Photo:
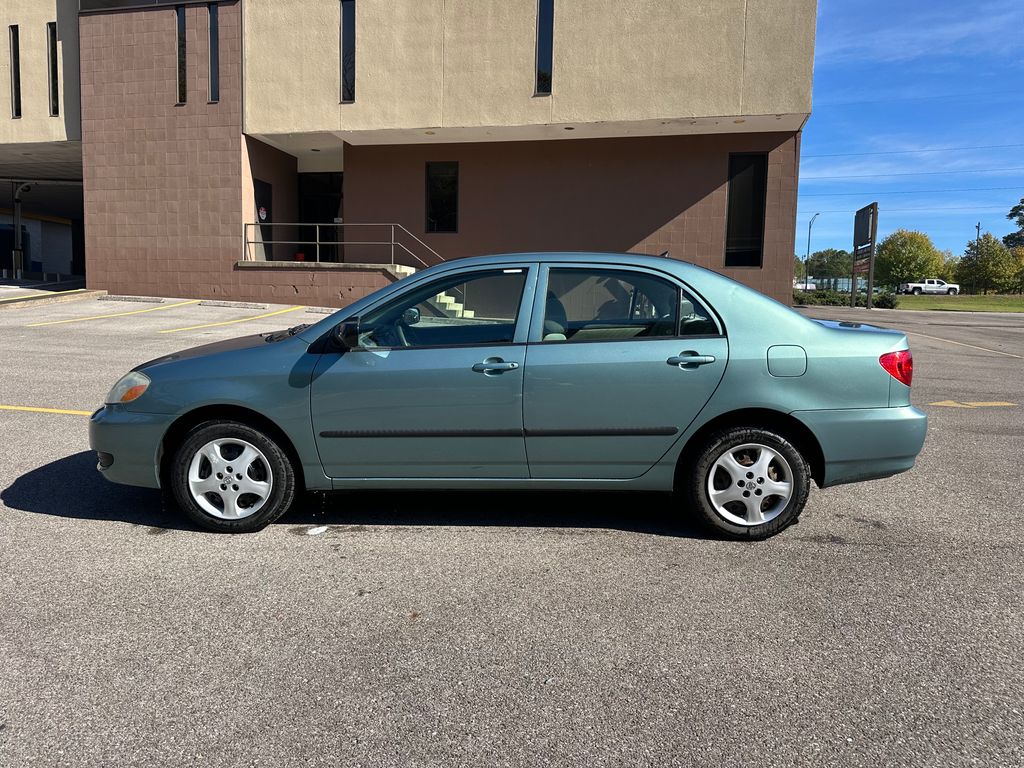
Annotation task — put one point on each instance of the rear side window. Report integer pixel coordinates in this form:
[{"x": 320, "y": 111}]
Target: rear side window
[{"x": 618, "y": 305}]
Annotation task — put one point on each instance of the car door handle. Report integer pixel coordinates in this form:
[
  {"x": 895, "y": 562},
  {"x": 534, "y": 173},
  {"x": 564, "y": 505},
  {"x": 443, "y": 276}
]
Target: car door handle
[
  {"x": 690, "y": 359},
  {"x": 494, "y": 365}
]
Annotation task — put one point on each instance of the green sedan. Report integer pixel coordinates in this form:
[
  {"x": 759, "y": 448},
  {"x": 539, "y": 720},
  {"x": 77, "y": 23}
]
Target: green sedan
[{"x": 525, "y": 371}]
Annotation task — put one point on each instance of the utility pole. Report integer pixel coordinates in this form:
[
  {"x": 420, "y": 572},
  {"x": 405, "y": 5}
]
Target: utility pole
[
  {"x": 807, "y": 258},
  {"x": 977, "y": 242}
]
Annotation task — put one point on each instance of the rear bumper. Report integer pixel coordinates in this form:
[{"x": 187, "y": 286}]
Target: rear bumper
[
  {"x": 866, "y": 443},
  {"x": 128, "y": 444}
]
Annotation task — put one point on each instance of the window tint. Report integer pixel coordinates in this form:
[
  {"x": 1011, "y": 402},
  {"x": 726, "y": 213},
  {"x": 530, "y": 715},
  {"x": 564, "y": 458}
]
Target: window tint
[
  {"x": 748, "y": 180},
  {"x": 182, "y": 80},
  {"x": 51, "y": 62},
  {"x": 461, "y": 310},
  {"x": 606, "y": 305},
  {"x": 442, "y": 197},
  {"x": 348, "y": 50},
  {"x": 214, "y": 15},
  {"x": 545, "y": 40},
  {"x": 15, "y": 50}
]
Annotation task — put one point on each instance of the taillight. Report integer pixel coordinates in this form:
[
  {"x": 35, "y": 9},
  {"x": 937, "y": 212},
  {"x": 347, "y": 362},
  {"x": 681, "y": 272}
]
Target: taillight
[{"x": 900, "y": 365}]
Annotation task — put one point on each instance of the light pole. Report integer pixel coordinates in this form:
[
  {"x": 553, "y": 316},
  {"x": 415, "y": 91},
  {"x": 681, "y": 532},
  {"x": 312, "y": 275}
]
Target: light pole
[{"x": 807, "y": 258}]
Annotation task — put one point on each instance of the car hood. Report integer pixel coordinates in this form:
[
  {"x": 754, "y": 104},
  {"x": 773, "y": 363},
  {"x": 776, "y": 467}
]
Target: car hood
[{"x": 206, "y": 350}]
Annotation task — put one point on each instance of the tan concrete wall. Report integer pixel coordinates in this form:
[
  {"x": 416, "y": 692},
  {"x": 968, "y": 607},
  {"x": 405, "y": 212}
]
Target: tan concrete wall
[
  {"x": 643, "y": 195},
  {"x": 455, "y": 63},
  {"x": 36, "y": 124}
]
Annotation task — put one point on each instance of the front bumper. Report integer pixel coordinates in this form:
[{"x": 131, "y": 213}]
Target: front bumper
[
  {"x": 131, "y": 444},
  {"x": 866, "y": 443}
]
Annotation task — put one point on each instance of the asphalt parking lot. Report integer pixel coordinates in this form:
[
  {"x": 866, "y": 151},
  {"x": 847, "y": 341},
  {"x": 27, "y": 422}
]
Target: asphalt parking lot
[{"x": 887, "y": 628}]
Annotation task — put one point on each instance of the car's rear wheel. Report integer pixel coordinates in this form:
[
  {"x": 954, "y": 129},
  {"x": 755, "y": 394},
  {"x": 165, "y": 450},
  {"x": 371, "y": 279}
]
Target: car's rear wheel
[
  {"x": 952, "y": 291},
  {"x": 916, "y": 291},
  {"x": 227, "y": 476},
  {"x": 749, "y": 483}
]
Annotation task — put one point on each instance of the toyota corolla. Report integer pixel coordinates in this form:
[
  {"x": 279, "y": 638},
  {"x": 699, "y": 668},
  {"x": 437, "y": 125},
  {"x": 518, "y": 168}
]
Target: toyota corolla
[{"x": 525, "y": 371}]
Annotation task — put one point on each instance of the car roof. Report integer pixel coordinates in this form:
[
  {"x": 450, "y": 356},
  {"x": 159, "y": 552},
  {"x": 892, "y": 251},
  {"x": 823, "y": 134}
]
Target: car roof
[{"x": 578, "y": 257}]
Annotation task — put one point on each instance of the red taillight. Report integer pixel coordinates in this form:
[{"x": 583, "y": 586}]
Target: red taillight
[{"x": 900, "y": 365}]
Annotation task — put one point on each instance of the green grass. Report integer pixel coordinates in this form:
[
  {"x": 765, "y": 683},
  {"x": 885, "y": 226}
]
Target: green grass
[{"x": 964, "y": 303}]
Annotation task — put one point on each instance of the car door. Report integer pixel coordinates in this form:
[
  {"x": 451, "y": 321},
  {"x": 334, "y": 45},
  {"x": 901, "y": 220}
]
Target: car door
[
  {"x": 620, "y": 361},
  {"x": 435, "y": 386}
]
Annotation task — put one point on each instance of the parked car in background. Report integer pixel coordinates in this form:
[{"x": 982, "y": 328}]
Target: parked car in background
[
  {"x": 931, "y": 285},
  {"x": 525, "y": 371}
]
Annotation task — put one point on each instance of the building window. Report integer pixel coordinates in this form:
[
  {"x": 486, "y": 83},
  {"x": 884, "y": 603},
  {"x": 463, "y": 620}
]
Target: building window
[
  {"x": 214, "y": 52},
  {"x": 51, "y": 50},
  {"x": 748, "y": 187},
  {"x": 182, "y": 88},
  {"x": 545, "y": 32},
  {"x": 15, "y": 71},
  {"x": 442, "y": 197},
  {"x": 348, "y": 51}
]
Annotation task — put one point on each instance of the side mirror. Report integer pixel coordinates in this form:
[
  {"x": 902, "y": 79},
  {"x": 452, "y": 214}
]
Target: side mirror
[
  {"x": 411, "y": 316},
  {"x": 346, "y": 335}
]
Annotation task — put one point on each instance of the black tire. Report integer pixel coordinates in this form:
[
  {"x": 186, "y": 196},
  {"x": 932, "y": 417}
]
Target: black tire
[
  {"x": 952, "y": 292},
  {"x": 281, "y": 474},
  {"x": 716, "y": 446},
  {"x": 916, "y": 291}
]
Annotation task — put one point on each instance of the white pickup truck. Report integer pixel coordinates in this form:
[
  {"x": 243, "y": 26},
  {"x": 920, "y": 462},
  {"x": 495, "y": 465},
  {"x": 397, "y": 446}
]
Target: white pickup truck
[{"x": 931, "y": 285}]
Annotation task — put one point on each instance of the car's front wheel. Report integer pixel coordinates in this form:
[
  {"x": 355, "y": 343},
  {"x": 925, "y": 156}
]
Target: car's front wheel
[
  {"x": 227, "y": 476},
  {"x": 952, "y": 291},
  {"x": 749, "y": 483}
]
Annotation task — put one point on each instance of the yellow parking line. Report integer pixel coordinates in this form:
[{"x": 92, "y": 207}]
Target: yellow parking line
[
  {"x": 962, "y": 344},
  {"x": 31, "y": 409},
  {"x": 232, "y": 322},
  {"x": 41, "y": 295},
  {"x": 113, "y": 314}
]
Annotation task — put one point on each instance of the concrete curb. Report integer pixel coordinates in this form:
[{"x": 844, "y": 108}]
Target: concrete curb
[{"x": 52, "y": 298}]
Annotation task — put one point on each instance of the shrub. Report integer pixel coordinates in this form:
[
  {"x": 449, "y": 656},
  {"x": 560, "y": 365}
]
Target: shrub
[{"x": 885, "y": 300}]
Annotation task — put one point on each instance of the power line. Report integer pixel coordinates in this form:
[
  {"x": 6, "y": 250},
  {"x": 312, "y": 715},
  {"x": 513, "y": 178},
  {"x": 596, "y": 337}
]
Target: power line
[
  {"x": 916, "y": 151},
  {"x": 870, "y": 193},
  {"x": 918, "y": 173},
  {"x": 901, "y": 99},
  {"x": 934, "y": 210}
]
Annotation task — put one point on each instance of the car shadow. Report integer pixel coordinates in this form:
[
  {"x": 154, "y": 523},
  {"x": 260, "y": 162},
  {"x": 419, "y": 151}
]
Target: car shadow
[{"x": 71, "y": 487}]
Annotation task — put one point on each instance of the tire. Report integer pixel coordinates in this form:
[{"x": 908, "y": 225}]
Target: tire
[
  {"x": 775, "y": 463},
  {"x": 259, "y": 491},
  {"x": 916, "y": 291},
  {"x": 952, "y": 292}
]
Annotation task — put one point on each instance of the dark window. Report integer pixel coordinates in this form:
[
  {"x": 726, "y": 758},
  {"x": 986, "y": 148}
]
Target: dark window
[
  {"x": 214, "y": 52},
  {"x": 748, "y": 183},
  {"x": 51, "y": 50},
  {"x": 182, "y": 88},
  {"x": 480, "y": 308},
  {"x": 348, "y": 50},
  {"x": 609, "y": 305},
  {"x": 15, "y": 71},
  {"x": 442, "y": 197},
  {"x": 545, "y": 34}
]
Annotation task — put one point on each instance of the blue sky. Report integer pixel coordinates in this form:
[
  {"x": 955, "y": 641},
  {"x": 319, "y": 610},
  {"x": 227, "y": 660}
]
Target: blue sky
[{"x": 901, "y": 76}]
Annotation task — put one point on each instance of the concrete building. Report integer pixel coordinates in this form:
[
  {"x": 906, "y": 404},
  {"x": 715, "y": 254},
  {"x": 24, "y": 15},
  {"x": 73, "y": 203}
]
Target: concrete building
[{"x": 313, "y": 150}]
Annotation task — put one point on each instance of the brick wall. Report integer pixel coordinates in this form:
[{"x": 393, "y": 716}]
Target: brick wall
[{"x": 644, "y": 195}]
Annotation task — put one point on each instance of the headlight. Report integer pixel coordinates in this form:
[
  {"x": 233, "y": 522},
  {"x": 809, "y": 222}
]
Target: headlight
[{"x": 130, "y": 387}]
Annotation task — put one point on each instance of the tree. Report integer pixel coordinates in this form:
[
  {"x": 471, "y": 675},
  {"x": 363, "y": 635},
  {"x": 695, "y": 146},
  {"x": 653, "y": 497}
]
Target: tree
[
  {"x": 830, "y": 262},
  {"x": 1016, "y": 214},
  {"x": 906, "y": 257},
  {"x": 987, "y": 265},
  {"x": 1017, "y": 281},
  {"x": 949, "y": 265}
]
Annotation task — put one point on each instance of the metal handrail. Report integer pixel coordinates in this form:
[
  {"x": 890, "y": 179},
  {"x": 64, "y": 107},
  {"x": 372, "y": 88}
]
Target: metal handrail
[{"x": 393, "y": 242}]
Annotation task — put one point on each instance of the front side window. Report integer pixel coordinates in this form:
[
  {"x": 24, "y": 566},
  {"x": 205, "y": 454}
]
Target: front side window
[
  {"x": 480, "y": 308},
  {"x": 442, "y": 197},
  {"x": 748, "y": 191},
  {"x": 617, "y": 305}
]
